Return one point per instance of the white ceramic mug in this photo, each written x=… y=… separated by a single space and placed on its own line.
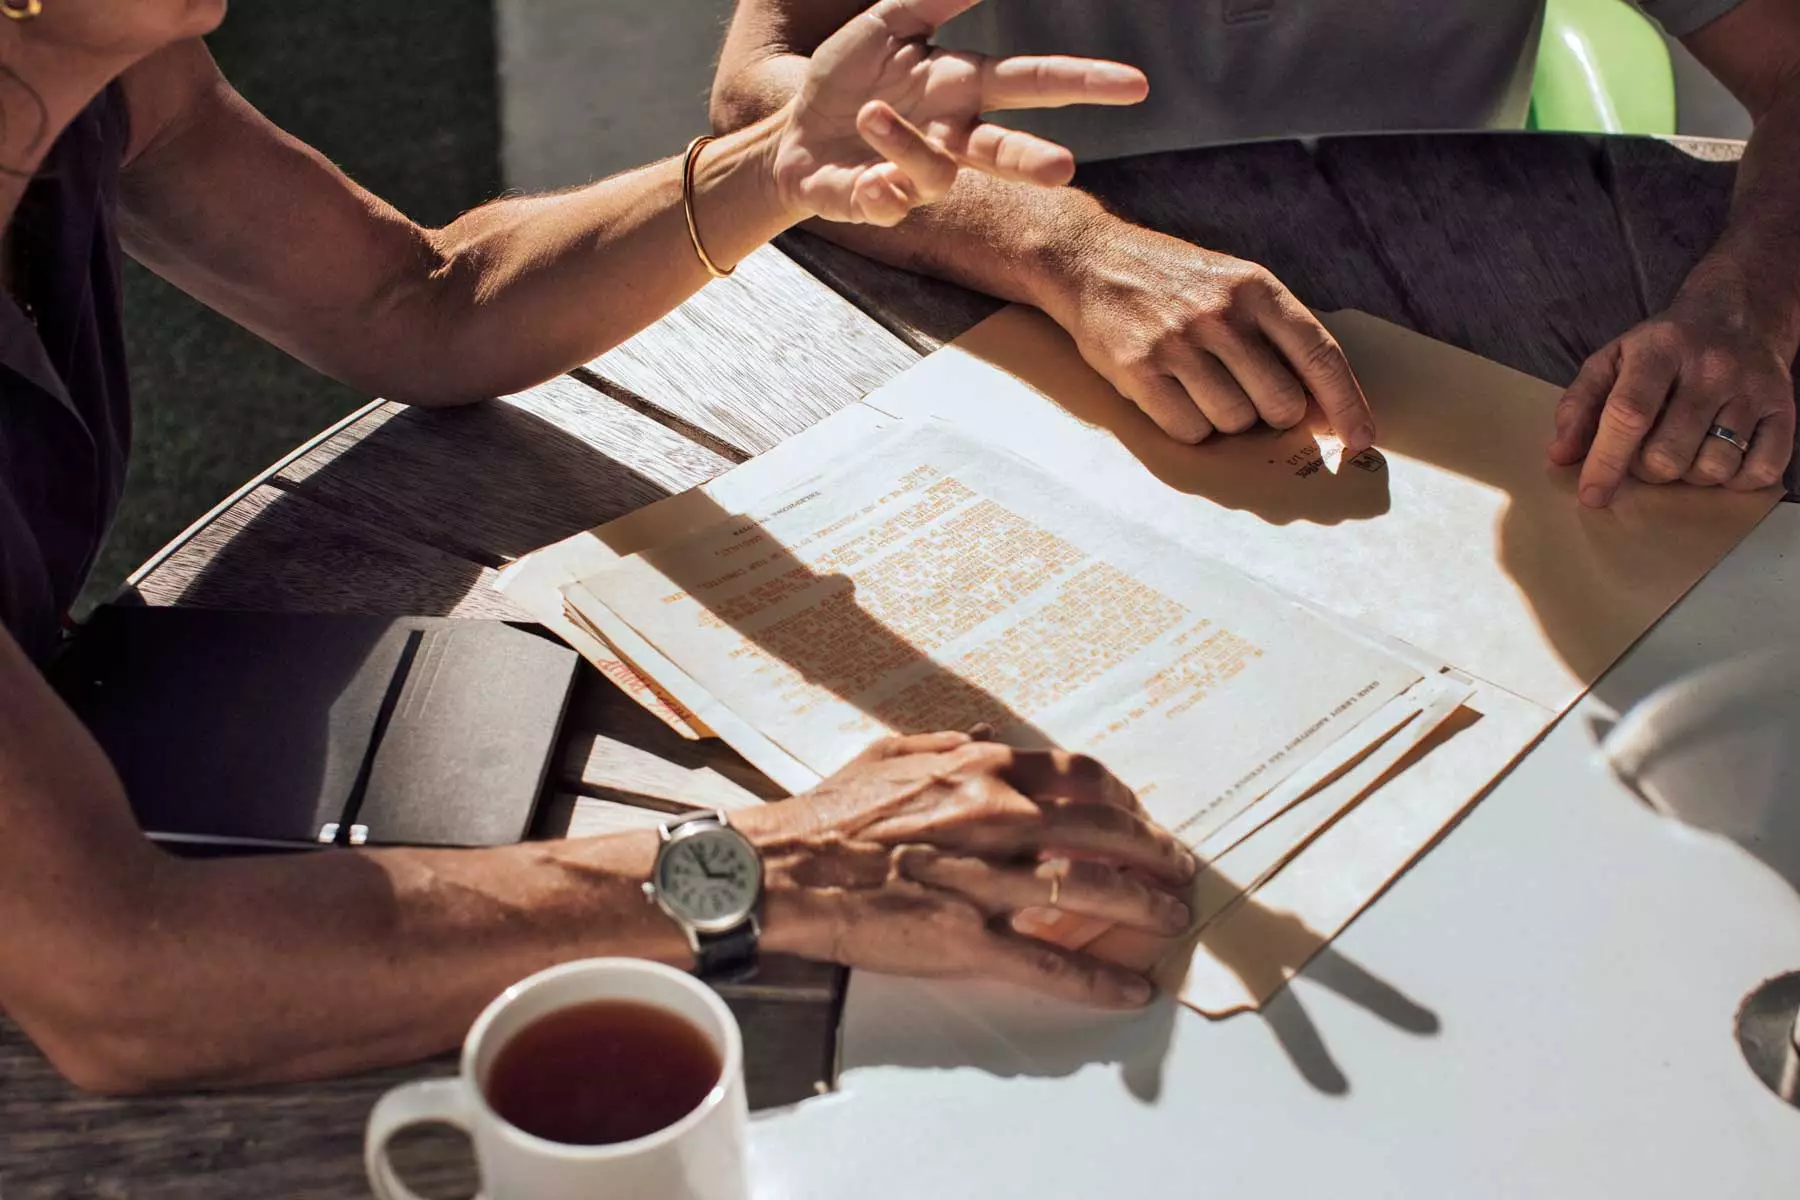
x=699 y=1157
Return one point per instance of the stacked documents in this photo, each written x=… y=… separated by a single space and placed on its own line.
x=957 y=550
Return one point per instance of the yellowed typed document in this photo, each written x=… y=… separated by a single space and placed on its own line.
x=937 y=582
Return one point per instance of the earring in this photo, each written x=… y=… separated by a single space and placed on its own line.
x=21 y=10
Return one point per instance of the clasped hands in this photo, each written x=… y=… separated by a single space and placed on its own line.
x=919 y=857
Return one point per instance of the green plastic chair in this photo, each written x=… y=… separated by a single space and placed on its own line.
x=1602 y=67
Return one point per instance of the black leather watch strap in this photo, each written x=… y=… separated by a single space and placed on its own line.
x=728 y=957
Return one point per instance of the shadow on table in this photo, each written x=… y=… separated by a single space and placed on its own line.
x=387 y=526
x=992 y=1029
x=406 y=519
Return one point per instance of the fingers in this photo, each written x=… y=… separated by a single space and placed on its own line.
x=1064 y=929
x=920 y=171
x=1053 y=81
x=1712 y=460
x=1578 y=412
x=1114 y=835
x=1170 y=403
x=1057 y=776
x=1230 y=388
x=1316 y=357
x=1062 y=973
x=1084 y=888
x=925 y=170
x=1020 y=81
x=1647 y=404
x=1771 y=446
x=1275 y=394
x=1669 y=451
x=1239 y=344
x=1078 y=808
x=881 y=196
x=1018 y=156
x=1215 y=392
x=917 y=172
x=1632 y=408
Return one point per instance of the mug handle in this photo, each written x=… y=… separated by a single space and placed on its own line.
x=414 y=1103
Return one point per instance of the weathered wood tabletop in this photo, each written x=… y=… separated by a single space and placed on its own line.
x=1529 y=249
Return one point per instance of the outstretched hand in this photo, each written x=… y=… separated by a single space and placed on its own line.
x=884 y=121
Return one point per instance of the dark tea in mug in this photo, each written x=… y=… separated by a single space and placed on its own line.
x=602 y=1072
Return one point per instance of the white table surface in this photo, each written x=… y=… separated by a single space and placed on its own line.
x=1542 y=1006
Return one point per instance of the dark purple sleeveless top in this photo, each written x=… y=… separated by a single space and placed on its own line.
x=65 y=409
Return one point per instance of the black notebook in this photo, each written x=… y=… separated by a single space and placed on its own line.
x=255 y=729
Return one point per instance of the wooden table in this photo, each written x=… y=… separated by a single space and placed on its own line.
x=1529 y=249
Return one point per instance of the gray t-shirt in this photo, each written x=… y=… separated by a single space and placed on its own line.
x=1230 y=70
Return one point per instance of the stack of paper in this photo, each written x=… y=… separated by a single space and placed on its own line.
x=1304 y=667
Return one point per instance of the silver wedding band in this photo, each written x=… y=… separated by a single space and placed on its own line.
x=1725 y=434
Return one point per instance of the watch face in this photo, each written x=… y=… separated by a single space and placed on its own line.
x=710 y=877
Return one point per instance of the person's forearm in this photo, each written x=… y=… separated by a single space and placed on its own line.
x=336 y=961
x=266 y=969
x=523 y=289
x=133 y=969
x=1009 y=240
x=1757 y=257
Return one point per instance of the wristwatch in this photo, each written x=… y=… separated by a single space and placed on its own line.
x=709 y=879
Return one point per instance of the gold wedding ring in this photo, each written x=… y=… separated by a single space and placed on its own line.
x=1726 y=434
x=21 y=10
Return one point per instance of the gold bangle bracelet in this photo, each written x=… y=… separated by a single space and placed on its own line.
x=687 y=206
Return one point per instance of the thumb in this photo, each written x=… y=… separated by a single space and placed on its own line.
x=919 y=18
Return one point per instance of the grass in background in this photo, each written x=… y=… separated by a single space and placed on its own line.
x=402 y=95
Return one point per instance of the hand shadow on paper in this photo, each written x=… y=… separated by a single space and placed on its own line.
x=837 y=644
x=1248 y=471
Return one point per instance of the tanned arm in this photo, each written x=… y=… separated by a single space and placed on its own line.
x=268 y=231
x=1200 y=341
x=133 y=969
